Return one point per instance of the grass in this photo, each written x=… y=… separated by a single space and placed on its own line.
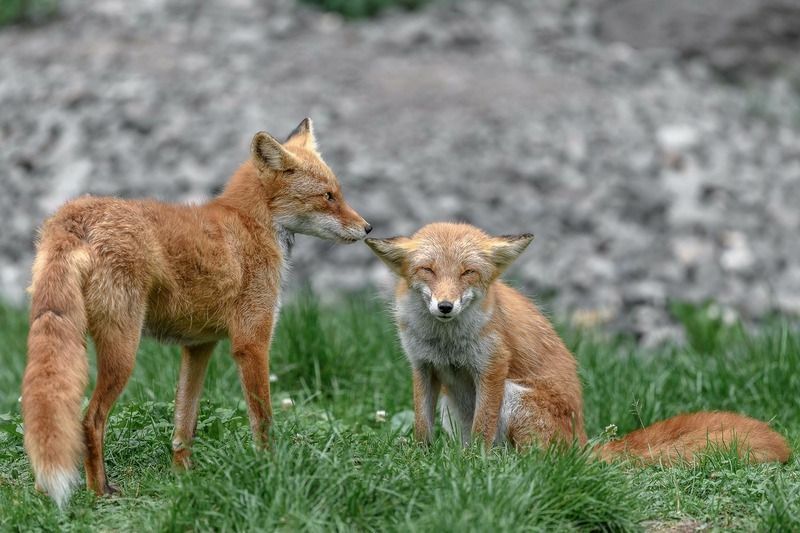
x=357 y=9
x=27 y=11
x=333 y=466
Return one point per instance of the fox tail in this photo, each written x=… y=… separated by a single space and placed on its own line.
x=683 y=436
x=57 y=369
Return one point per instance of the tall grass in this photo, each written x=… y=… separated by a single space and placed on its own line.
x=334 y=466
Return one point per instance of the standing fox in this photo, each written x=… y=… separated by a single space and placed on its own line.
x=505 y=374
x=191 y=275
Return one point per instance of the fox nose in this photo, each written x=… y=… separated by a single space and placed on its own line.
x=445 y=306
x=368 y=228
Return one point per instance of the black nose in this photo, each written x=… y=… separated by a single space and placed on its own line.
x=368 y=228
x=445 y=307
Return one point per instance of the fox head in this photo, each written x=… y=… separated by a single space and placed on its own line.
x=306 y=195
x=449 y=266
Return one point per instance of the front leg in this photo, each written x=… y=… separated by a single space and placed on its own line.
x=194 y=362
x=426 y=392
x=490 y=388
x=251 y=352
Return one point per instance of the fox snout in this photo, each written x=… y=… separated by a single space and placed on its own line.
x=362 y=226
x=353 y=227
x=447 y=305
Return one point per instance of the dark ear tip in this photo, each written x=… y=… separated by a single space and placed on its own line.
x=303 y=127
x=519 y=237
x=261 y=135
x=372 y=242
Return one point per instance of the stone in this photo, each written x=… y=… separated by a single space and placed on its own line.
x=645 y=177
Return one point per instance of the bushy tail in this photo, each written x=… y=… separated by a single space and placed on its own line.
x=57 y=369
x=683 y=436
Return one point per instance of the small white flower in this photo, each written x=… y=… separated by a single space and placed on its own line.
x=19 y=399
x=287 y=403
x=729 y=316
x=273 y=378
x=380 y=416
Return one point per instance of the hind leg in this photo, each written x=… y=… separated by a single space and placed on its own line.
x=116 y=355
x=537 y=415
x=194 y=362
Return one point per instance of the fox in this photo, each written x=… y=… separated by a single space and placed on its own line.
x=190 y=275
x=503 y=373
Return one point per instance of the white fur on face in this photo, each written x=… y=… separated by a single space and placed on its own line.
x=323 y=226
x=469 y=295
x=427 y=339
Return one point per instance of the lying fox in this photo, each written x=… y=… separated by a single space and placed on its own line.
x=505 y=374
x=190 y=275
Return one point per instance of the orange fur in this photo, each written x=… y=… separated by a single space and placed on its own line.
x=185 y=274
x=682 y=437
x=500 y=365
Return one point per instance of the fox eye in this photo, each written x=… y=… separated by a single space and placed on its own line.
x=467 y=272
x=427 y=270
x=329 y=196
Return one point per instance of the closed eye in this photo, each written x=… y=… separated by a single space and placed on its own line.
x=427 y=270
x=467 y=272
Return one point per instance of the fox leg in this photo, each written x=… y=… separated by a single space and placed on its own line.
x=489 y=399
x=537 y=414
x=426 y=390
x=116 y=355
x=515 y=416
x=194 y=362
x=252 y=357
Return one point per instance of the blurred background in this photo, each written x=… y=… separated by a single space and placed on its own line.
x=652 y=146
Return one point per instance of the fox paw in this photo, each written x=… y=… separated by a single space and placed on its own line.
x=111 y=490
x=181 y=459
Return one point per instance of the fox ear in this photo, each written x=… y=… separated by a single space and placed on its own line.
x=268 y=153
x=391 y=251
x=303 y=136
x=505 y=249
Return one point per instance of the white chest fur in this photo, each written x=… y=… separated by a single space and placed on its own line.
x=458 y=344
x=285 y=242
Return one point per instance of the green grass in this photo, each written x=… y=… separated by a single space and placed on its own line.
x=357 y=9
x=27 y=11
x=332 y=466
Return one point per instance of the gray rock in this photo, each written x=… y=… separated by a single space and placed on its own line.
x=644 y=178
x=736 y=37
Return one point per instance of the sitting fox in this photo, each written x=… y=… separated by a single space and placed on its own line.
x=184 y=274
x=504 y=373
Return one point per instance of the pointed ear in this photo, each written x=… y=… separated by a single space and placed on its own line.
x=303 y=136
x=267 y=152
x=391 y=251
x=505 y=249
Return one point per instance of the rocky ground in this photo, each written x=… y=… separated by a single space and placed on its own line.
x=645 y=175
